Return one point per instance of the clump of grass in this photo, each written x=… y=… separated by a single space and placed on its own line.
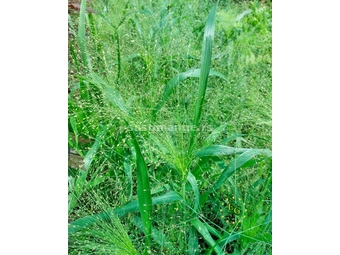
x=167 y=185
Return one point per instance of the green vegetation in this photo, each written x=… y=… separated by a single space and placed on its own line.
x=174 y=101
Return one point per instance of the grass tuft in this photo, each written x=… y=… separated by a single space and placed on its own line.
x=170 y=113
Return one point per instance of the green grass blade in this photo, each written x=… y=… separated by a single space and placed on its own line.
x=215 y=134
x=239 y=162
x=73 y=90
x=119 y=57
x=133 y=206
x=175 y=81
x=74 y=57
x=205 y=69
x=156 y=235
x=224 y=240
x=219 y=150
x=231 y=138
x=268 y=218
x=202 y=229
x=110 y=93
x=246 y=159
x=90 y=154
x=193 y=248
x=172 y=84
x=74 y=128
x=239 y=17
x=163 y=15
x=193 y=182
x=135 y=20
x=70 y=22
x=144 y=194
x=128 y=176
x=217 y=74
x=213 y=230
x=81 y=31
x=95 y=182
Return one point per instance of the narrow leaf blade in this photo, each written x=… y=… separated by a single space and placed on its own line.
x=239 y=162
x=193 y=242
x=219 y=151
x=205 y=69
x=175 y=81
x=202 y=229
x=193 y=182
x=144 y=194
x=81 y=31
x=133 y=206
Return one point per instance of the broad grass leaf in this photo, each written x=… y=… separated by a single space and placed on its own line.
x=175 y=81
x=225 y=239
x=202 y=229
x=238 y=162
x=205 y=69
x=143 y=191
x=240 y=16
x=133 y=206
x=193 y=248
x=81 y=32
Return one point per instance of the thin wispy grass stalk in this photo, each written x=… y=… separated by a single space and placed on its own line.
x=81 y=180
x=106 y=235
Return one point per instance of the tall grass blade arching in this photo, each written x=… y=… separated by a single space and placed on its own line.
x=81 y=32
x=205 y=69
x=175 y=81
x=144 y=194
